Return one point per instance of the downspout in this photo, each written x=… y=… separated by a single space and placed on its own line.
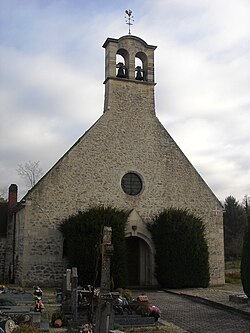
x=13 y=248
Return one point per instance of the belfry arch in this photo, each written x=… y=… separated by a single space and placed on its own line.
x=130 y=48
x=122 y=61
x=141 y=65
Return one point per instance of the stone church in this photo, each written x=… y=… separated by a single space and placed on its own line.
x=126 y=160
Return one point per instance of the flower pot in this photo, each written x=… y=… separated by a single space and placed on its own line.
x=58 y=323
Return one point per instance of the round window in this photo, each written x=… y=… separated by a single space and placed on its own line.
x=131 y=183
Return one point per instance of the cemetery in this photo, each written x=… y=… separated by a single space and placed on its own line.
x=78 y=308
x=73 y=308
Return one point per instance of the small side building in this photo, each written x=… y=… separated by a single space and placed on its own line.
x=6 y=214
x=3 y=233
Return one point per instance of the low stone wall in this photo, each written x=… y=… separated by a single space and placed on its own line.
x=239 y=298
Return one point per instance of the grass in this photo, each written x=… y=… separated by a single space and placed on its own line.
x=232 y=264
x=232 y=272
x=233 y=278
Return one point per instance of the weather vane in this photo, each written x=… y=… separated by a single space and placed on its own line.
x=129 y=19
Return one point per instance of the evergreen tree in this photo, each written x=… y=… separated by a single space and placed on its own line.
x=181 y=249
x=83 y=236
x=245 y=262
x=235 y=221
x=246 y=205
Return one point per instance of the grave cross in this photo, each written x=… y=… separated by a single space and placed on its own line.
x=105 y=316
x=107 y=251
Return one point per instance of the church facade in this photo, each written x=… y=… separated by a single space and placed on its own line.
x=126 y=160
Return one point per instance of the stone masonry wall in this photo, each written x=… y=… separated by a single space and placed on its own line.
x=128 y=137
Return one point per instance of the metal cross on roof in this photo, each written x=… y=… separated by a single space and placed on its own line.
x=129 y=19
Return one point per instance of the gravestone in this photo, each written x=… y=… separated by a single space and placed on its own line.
x=69 y=296
x=68 y=279
x=105 y=314
x=74 y=294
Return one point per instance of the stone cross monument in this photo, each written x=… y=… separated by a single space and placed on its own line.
x=105 y=315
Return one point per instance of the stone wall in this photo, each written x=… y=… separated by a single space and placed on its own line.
x=125 y=138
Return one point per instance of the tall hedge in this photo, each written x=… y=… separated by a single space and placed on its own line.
x=82 y=234
x=181 y=249
x=245 y=262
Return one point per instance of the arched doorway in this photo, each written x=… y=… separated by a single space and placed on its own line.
x=138 y=261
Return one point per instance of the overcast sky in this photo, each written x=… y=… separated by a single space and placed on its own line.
x=52 y=72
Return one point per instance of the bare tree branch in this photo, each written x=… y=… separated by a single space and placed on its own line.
x=246 y=204
x=3 y=194
x=30 y=171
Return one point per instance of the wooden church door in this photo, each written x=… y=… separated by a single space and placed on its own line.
x=133 y=260
x=138 y=262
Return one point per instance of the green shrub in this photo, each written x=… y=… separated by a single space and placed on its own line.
x=245 y=262
x=117 y=326
x=126 y=293
x=181 y=249
x=82 y=234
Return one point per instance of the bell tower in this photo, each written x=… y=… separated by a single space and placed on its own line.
x=129 y=73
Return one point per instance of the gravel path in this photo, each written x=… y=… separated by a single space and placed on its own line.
x=196 y=317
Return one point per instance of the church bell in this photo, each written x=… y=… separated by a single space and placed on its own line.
x=139 y=74
x=121 y=70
